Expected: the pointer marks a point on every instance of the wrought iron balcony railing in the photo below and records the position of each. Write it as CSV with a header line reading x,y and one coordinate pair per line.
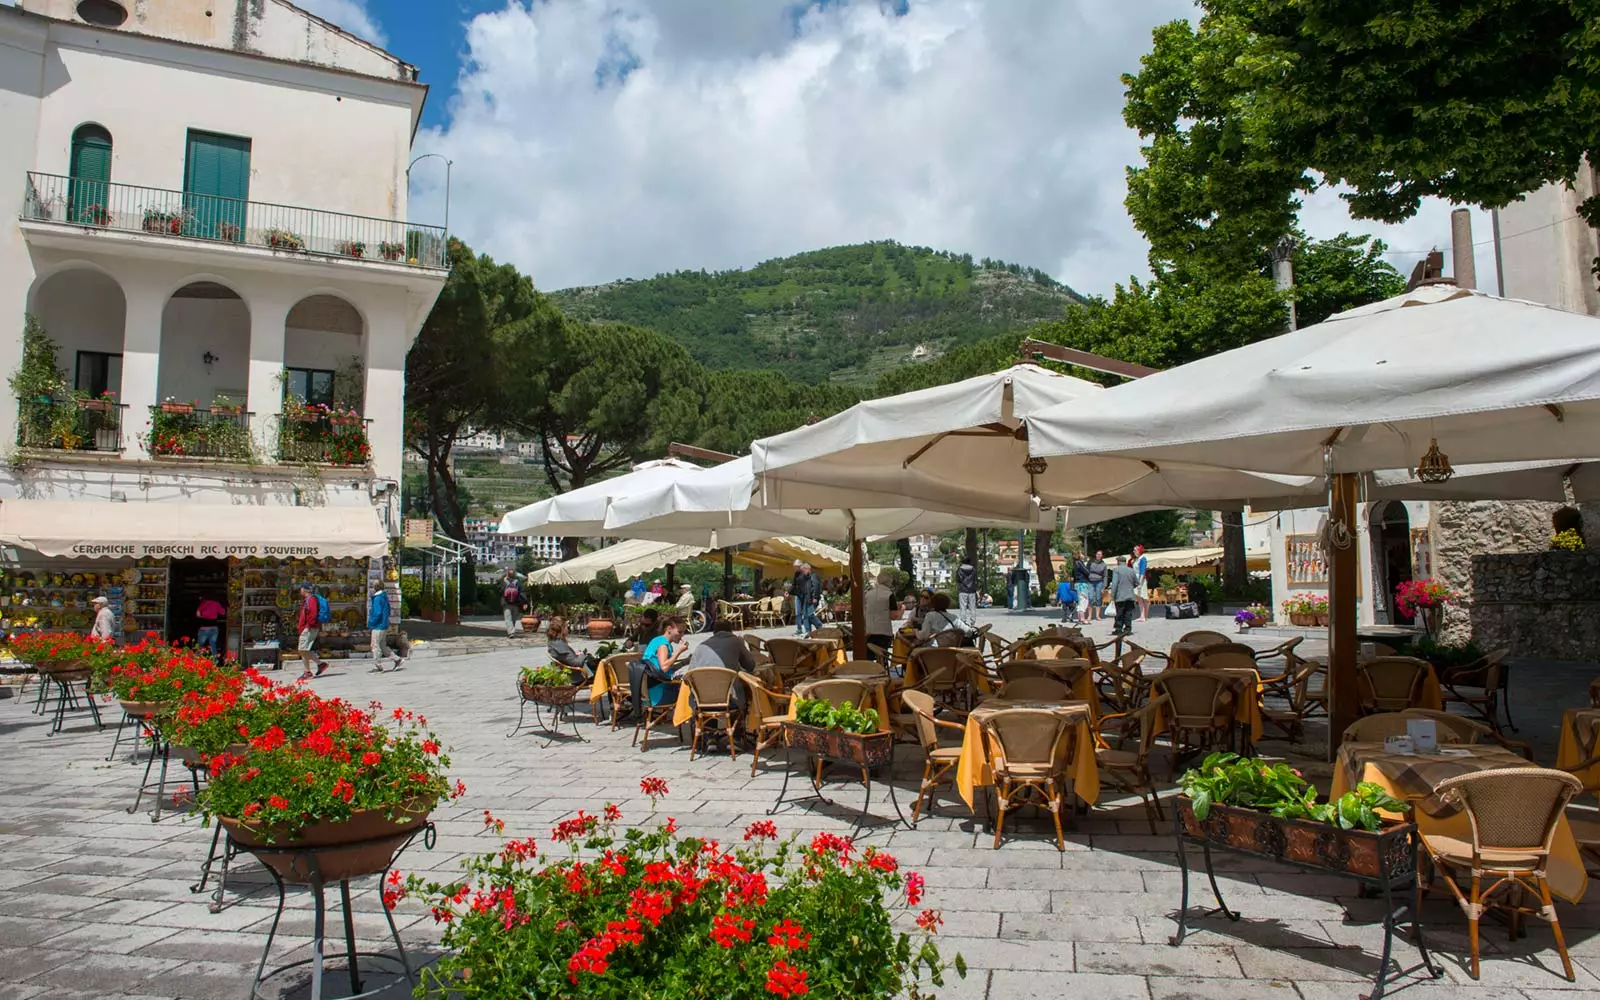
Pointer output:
x,y
70,425
315,436
286,228
180,430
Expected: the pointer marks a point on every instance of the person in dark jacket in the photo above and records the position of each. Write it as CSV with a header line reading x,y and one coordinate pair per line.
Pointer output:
x,y
1097,585
807,593
967,591
511,602
1080,583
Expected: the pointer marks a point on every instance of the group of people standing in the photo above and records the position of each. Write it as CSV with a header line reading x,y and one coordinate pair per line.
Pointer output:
x,y
1083,592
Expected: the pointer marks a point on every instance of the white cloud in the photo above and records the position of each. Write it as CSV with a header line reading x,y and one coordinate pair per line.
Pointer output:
x,y
351,15
596,139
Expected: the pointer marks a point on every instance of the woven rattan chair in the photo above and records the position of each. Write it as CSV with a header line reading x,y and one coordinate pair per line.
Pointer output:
x,y
1514,813
615,668
1479,687
1121,683
660,704
859,668
1030,752
1065,670
1036,688
1294,688
765,715
1377,728
1129,770
1224,659
1203,637
939,762
1390,683
827,632
711,691
1214,649
727,611
838,690
792,659
1285,650
949,674
1041,647
1200,707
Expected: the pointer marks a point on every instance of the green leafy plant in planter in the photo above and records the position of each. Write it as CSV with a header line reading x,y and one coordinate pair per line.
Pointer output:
x,y
550,675
352,248
844,716
606,649
282,239
1230,780
391,251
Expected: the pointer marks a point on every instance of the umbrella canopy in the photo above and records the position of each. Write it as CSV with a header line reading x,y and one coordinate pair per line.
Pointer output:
x,y
582,512
723,506
962,448
1492,379
628,558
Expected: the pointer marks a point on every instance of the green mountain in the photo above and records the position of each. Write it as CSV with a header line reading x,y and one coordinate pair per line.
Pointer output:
x,y
845,314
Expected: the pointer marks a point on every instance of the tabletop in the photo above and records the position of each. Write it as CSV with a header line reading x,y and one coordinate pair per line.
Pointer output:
x,y
1415,776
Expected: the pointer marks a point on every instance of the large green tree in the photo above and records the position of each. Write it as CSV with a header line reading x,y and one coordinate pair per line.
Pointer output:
x,y
743,405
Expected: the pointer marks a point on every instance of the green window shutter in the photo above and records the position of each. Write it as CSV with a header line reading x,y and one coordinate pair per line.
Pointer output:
x,y
216,184
91,173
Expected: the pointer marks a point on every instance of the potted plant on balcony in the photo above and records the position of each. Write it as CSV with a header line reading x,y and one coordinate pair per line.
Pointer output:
x,y
229,232
101,403
343,418
157,220
175,406
391,251
352,248
282,239
95,215
225,406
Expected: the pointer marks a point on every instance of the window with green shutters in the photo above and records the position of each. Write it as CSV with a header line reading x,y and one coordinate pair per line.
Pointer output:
x,y
91,173
216,184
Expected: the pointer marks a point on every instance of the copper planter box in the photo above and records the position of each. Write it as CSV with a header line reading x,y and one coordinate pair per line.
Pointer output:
x,y
1379,855
863,749
544,694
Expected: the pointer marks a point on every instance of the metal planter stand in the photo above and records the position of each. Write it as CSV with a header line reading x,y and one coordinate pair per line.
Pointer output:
x,y
820,747
1393,869
306,861
65,696
542,698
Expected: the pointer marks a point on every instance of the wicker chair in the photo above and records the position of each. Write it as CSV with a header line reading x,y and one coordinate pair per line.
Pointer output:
x,y
939,762
615,668
949,674
1041,647
1031,755
660,704
827,632
1066,670
1293,686
1514,813
1224,659
1036,688
838,690
1479,687
1377,728
791,658
766,713
1285,649
1236,648
711,691
1200,706
1470,730
1390,683
1203,637
1129,770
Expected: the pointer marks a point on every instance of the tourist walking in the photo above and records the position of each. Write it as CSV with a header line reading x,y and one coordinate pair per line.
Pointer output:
x,y
378,619
967,591
1140,566
208,614
1080,583
105,624
1124,585
512,602
808,591
1096,574
309,622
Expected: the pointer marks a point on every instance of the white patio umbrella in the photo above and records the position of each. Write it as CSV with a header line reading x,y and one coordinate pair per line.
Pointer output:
x,y
582,512
633,557
1490,379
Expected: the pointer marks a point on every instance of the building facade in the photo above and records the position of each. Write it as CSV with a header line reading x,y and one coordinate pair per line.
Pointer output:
x,y
203,211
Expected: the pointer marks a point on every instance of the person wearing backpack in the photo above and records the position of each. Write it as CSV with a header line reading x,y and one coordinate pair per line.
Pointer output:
x,y
314,612
512,602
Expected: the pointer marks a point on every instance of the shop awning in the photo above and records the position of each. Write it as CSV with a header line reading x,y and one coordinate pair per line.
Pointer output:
x,y
632,557
99,529
1202,556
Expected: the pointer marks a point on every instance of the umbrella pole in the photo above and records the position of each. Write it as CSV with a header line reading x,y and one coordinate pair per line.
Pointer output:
x,y
727,575
858,599
1343,567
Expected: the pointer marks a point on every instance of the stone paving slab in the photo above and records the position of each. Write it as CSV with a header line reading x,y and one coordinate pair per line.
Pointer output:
x,y
95,902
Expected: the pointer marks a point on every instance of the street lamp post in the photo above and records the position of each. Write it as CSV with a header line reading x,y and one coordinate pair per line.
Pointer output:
x,y
448,163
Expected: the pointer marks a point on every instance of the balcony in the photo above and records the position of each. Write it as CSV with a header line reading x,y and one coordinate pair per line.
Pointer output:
x,y
183,431
129,208
318,435
70,425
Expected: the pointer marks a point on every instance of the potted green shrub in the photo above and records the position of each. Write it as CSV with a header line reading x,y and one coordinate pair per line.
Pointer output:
x,y
838,732
548,685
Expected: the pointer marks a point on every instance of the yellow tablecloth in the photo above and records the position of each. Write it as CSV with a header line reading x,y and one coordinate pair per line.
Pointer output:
x,y
1578,728
1397,775
602,684
1247,707
879,692
973,769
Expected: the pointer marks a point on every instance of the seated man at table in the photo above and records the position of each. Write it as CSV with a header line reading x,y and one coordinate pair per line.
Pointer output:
x,y
657,661
724,649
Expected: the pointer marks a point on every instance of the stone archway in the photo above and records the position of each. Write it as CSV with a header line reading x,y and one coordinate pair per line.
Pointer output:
x,y
1389,537
84,313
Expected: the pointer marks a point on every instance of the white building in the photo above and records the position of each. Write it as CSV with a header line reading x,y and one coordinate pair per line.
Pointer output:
x,y
493,549
1547,249
205,203
481,440
931,566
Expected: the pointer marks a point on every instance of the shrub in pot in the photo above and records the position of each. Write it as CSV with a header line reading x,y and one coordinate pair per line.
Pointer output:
x,y
647,914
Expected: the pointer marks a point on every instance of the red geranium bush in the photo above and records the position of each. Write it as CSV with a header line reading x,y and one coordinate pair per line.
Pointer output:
x,y
650,915
348,760
54,647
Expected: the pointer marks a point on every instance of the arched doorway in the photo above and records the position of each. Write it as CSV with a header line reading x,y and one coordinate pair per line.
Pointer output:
x,y
324,384
84,314
1390,536
202,382
90,167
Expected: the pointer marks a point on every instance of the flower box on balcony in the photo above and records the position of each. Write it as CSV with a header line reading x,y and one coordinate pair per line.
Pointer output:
x,y
300,416
177,407
344,420
98,405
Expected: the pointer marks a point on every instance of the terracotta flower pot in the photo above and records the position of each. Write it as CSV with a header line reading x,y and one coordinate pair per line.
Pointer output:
x,y
145,709
599,628
364,844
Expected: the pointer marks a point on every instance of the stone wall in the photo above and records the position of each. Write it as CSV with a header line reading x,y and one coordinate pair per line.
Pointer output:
x,y
1518,595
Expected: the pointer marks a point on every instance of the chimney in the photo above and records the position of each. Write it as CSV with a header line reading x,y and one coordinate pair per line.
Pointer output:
x,y
1461,259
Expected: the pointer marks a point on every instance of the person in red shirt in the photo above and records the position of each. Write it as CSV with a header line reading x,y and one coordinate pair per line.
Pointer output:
x,y
309,627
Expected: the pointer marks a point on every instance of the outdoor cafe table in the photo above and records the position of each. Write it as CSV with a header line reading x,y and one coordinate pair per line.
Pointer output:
x,y
973,771
823,650
1579,728
1413,777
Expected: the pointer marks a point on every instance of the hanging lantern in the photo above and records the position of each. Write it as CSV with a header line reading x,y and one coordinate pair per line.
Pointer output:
x,y
813,511
1434,466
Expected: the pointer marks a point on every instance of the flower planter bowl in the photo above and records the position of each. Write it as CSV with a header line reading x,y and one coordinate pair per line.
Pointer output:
x,y
337,421
862,749
364,844
545,694
97,405
1377,855
145,709
177,407
599,628
530,623
1322,621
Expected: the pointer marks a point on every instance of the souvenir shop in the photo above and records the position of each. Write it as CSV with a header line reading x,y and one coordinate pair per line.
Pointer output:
x,y
54,561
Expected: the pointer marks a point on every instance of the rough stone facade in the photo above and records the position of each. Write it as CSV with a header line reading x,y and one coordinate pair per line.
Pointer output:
x,y
1518,594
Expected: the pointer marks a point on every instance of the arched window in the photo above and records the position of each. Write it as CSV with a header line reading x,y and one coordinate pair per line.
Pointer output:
x,y
91,176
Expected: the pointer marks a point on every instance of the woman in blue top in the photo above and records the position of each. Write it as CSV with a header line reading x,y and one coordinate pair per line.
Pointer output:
x,y
657,659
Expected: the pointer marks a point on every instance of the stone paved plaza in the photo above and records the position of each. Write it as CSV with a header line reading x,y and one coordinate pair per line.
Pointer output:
x,y
95,902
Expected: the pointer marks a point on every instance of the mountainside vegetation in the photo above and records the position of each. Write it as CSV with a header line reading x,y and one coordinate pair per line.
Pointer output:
x,y
844,314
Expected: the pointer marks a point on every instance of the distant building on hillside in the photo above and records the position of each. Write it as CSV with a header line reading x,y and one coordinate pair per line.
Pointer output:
x,y
493,549
481,440
930,564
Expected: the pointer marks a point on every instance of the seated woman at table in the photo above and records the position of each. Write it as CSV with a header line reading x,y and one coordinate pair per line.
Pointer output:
x,y
658,659
937,619
580,665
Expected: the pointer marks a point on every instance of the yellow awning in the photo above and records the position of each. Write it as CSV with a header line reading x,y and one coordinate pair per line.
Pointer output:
x,y
101,529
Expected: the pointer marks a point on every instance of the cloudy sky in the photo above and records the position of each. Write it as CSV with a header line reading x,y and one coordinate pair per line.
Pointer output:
x,y
597,139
